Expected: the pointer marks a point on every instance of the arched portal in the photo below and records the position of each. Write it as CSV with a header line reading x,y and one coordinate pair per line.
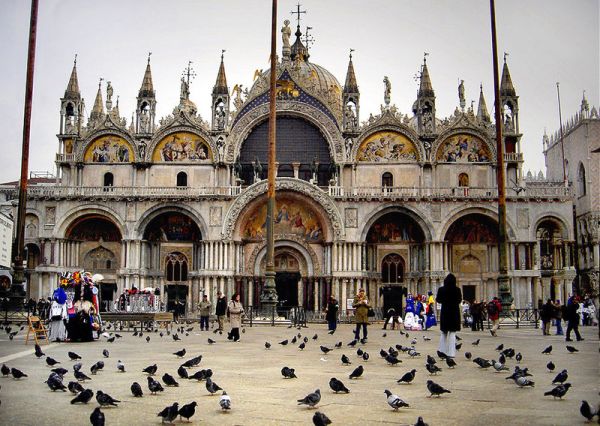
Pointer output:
x,y
472,255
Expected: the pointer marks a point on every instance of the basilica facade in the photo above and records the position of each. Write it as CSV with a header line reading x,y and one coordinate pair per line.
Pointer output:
x,y
391,202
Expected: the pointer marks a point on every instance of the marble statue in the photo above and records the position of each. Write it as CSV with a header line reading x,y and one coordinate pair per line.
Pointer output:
x,y
286,33
387,91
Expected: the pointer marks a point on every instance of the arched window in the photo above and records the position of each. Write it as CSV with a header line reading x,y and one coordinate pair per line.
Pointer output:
x,y
108,180
581,183
387,179
463,180
176,267
392,269
182,179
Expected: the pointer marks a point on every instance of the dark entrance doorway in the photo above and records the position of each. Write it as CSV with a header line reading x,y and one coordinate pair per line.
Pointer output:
x,y
176,299
107,294
392,298
287,288
469,292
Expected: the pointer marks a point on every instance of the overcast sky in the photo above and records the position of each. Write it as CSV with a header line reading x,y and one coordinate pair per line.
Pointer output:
x,y
548,41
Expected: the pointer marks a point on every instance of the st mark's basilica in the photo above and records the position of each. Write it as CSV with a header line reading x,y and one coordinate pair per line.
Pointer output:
x,y
387,200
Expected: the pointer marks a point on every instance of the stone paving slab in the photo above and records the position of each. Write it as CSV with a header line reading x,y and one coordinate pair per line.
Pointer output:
x,y
261,396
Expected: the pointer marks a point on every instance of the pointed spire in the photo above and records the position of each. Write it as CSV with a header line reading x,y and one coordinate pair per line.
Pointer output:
x,y
72,91
351,86
585,106
147,89
482,111
299,51
425,87
221,83
506,85
98,109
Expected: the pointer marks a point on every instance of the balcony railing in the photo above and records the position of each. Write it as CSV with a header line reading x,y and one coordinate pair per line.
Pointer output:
x,y
65,158
144,191
513,156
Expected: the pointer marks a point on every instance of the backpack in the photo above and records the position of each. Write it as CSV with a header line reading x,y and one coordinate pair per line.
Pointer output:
x,y
492,308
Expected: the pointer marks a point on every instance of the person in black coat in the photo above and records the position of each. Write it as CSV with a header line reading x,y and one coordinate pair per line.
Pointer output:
x,y
220,311
573,318
332,313
449,296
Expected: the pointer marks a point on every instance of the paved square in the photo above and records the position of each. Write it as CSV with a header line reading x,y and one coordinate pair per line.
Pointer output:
x,y
261,396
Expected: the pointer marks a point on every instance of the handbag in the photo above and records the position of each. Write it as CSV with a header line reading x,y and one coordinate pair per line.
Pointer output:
x,y
371,312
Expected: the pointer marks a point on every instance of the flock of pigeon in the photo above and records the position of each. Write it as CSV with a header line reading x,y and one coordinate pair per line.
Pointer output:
x,y
392,356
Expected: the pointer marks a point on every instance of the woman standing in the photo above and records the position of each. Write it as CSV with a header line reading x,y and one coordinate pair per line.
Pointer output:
x,y
361,314
332,313
449,295
235,310
58,316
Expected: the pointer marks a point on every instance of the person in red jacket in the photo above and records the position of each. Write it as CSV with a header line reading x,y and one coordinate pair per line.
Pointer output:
x,y
494,307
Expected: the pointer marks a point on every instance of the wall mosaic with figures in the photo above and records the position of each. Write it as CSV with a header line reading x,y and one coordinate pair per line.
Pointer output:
x,y
182,147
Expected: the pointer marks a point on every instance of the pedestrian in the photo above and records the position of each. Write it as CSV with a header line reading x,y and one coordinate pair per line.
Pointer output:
x,y
204,308
465,308
58,316
430,320
546,315
449,296
221,311
420,311
331,313
390,316
573,318
361,313
235,310
558,315
494,307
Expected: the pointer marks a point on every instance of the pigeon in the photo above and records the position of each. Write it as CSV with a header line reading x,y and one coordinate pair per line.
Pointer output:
x,y
188,410
482,363
384,335
288,373
476,342
345,360
498,366
169,413
572,349
267,345
283,342
120,366
359,352
559,391
105,353
468,355
301,346
5,370
392,360
180,354
80,376
408,377
383,353
413,353
523,381
38,350
431,360
358,371
154,386
509,353
77,366
176,337
305,339
426,339
548,350
337,386
75,387
500,347
338,345
365,356
105,399
550,366
586,411
352,343
519,357
450,362
315,337
94,368
320,419
151,370
325,349
211,386
394,401
311,399
432,368
111,339
211,341
294,340
182,372
147,339
55,383
442,355
51,361
97,417
169,380
60,371
502,359
192,362
458,346
561,377
73,356
363,341
435,389
198,375
420,422
136,390
225,401
84,397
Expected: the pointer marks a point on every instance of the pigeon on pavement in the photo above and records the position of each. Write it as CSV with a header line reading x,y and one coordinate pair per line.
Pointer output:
x,y
136,390
572,349
212,387
433,369
267,345
337,386
151,370
586,411
180,354
38,351
5,370
51,361
169,413
548,350
75,387
561,377
17,374
154,386
105,399
188,410
345,360
395,401
550,366
182,372
408,377
83,397
325,349
288,373
320,419
73,356
225,401
358,371
169,380
312,399
55,383
559,391
435,389
97,417
120,366
105,353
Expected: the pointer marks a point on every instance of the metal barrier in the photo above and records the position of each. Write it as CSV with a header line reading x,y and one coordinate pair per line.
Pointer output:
x,y
518,318
294,316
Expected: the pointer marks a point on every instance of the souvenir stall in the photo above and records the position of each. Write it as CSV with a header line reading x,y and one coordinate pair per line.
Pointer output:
x,y
82,306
